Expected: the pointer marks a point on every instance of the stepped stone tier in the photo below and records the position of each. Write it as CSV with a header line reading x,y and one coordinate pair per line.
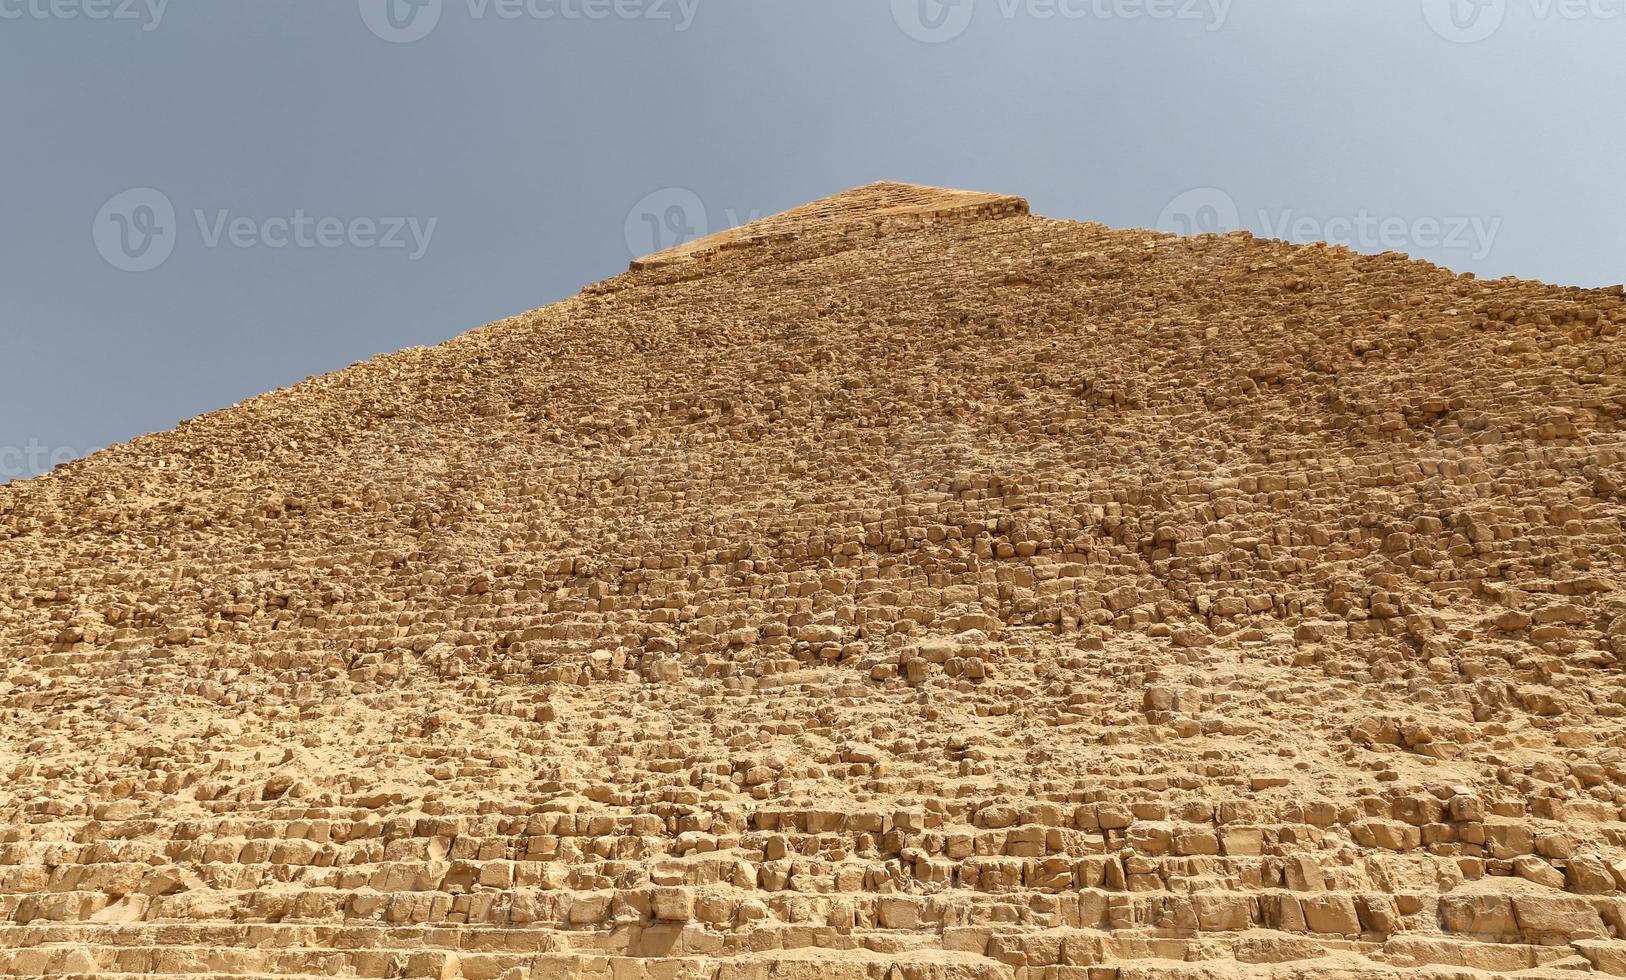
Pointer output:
x,y
902,587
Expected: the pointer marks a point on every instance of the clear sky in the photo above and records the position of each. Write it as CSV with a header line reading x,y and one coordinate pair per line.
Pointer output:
x,y
202,200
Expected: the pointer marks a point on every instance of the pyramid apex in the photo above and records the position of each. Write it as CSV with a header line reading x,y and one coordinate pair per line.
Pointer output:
x,y
880,202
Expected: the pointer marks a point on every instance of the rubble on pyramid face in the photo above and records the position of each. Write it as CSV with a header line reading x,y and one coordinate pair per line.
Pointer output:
x,y
909,586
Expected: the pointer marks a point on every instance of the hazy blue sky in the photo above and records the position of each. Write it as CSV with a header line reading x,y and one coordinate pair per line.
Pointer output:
x,y
207,200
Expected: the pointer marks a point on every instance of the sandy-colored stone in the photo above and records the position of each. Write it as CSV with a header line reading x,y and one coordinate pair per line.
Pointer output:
x,y
902,586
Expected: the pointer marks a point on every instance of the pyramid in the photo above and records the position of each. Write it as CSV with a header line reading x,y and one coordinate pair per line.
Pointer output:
x,y
904,586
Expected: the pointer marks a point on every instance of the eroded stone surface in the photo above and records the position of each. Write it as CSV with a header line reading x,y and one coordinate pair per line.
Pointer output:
x,y
908,587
